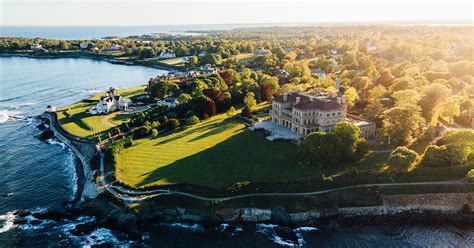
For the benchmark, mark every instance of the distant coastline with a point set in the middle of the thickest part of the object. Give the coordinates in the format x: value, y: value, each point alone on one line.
x: 89, y: 56
x: 89, y: 32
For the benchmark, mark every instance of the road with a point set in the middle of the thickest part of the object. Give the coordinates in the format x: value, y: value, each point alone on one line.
x: 134, y: 195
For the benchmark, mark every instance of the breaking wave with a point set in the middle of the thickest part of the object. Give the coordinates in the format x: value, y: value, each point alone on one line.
x: 3, y: 116
x: 7, y: 220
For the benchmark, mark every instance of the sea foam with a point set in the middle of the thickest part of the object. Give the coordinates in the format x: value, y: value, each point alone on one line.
x: 7, y: 220
x: 3, y: 116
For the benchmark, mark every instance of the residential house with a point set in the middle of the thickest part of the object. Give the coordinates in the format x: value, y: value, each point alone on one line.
x: 208, y: 69
x: 115, y: 47
x: 305, y: 113
x: 84, y: 45
x: 261, y: 52
x: 167, y: 55
x: 170, y: 102
x: 112, y: 101
x: 36, y: 47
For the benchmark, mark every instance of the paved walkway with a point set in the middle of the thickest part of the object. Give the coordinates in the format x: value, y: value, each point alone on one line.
x: 135, y: 195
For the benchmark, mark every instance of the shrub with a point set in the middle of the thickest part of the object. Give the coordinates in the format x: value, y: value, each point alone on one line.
x: 446, y: 155
x: 172, y: 123
x: 435, y: 156
x: 154, y: 133
x: 155, y: 124
x: 189, y: 113
x: 231, y: 111
x: 362, y: 148
x: 401, y: 158
x: 192, y: 120
x: 457, y: 153
x: 470, y: 176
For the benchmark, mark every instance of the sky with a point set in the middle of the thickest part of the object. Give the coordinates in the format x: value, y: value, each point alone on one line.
x: 178, y: 12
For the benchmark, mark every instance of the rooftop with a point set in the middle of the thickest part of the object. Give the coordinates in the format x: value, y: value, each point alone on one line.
x: 310, y: 100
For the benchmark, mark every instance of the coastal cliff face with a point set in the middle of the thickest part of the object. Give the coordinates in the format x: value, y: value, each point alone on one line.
x: 442, y: 205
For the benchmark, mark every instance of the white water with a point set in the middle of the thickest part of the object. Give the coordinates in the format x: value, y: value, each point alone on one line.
x: 3, y: 116
x: 7, y: 220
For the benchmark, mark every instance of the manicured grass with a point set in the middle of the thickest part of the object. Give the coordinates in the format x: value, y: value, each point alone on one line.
x: 77, y: 121
x: 174, y: 61
x: 219, y: 152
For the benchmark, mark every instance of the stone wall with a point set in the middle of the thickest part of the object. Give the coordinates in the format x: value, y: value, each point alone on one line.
x: 83, y: 149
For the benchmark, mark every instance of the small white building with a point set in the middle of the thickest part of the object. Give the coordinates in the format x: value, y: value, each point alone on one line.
x: 115, y: 47
x: 208, y: 69
x: 51, y: 108
x: 84, y: 45
x: 167, y: 55
x: 36, y: 47
x: 170, y: 102
x: 261, y: 52
x: 110, y: 102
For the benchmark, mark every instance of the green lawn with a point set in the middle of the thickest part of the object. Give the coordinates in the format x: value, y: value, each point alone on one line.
x: 219, y: 152
x: 174, y: 61
x: 77, y: 121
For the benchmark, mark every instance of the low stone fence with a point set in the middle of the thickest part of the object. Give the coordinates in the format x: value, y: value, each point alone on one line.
x: 84, y: 150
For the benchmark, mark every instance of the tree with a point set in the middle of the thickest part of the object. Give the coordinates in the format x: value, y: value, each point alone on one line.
x: 154, y: 133
x: 435, y: 156
x: 401, y: 158
x: 376, y: 92
x: 63, y: 45
x: 172, y: 123
x: 183, y: 98
x: 322, y: 148
x: 162, y: 88
x: 403, y: 83
x: 351, y: 97
x: 268, y: 87
x: 450, y: 109
x: 193, y: 60
x: 250, y: 102
x: 360, y: 83
x: 402, y: 123
x: 349, y: 135
x: 403, y: 97
x: 433, y: 94
x: 192, y: 120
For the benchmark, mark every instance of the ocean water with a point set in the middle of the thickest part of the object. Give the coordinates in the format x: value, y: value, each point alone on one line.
x: 90, y: 32
x: 41, y: 175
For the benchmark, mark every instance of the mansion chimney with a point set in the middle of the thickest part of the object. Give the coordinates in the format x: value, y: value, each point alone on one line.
x: 298, y: 100
x: 285, y: 97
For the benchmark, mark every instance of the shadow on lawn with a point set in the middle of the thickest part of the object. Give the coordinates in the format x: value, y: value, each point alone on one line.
x: 211, y: 128
x: 77, y: 119
x: 243, y: 157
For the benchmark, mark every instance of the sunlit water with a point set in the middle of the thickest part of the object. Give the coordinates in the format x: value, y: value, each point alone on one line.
x: 41, y: 175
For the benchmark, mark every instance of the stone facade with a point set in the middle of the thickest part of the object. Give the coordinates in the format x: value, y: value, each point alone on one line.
x: 305, y: 113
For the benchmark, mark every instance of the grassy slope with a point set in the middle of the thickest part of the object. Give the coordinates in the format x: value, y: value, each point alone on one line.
x: 219, y: 152
x: 76, y: 120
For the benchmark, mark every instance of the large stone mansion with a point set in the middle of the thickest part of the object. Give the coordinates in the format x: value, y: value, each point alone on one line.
x: 305, y: 113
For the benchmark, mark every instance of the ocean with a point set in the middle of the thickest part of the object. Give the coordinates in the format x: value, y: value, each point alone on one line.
x: 41, y: 175
x: 90, y: 32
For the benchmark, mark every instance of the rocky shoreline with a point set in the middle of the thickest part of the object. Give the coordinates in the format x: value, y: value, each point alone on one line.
x: 110, y: 214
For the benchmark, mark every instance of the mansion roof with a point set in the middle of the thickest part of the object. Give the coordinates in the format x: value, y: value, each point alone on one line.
x: 319, y: 101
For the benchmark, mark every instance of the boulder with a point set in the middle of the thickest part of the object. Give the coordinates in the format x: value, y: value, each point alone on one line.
x: 45, y: 135
x: 19, y: 221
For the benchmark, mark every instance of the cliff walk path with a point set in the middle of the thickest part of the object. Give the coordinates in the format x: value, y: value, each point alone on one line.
x: 135, y: 195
